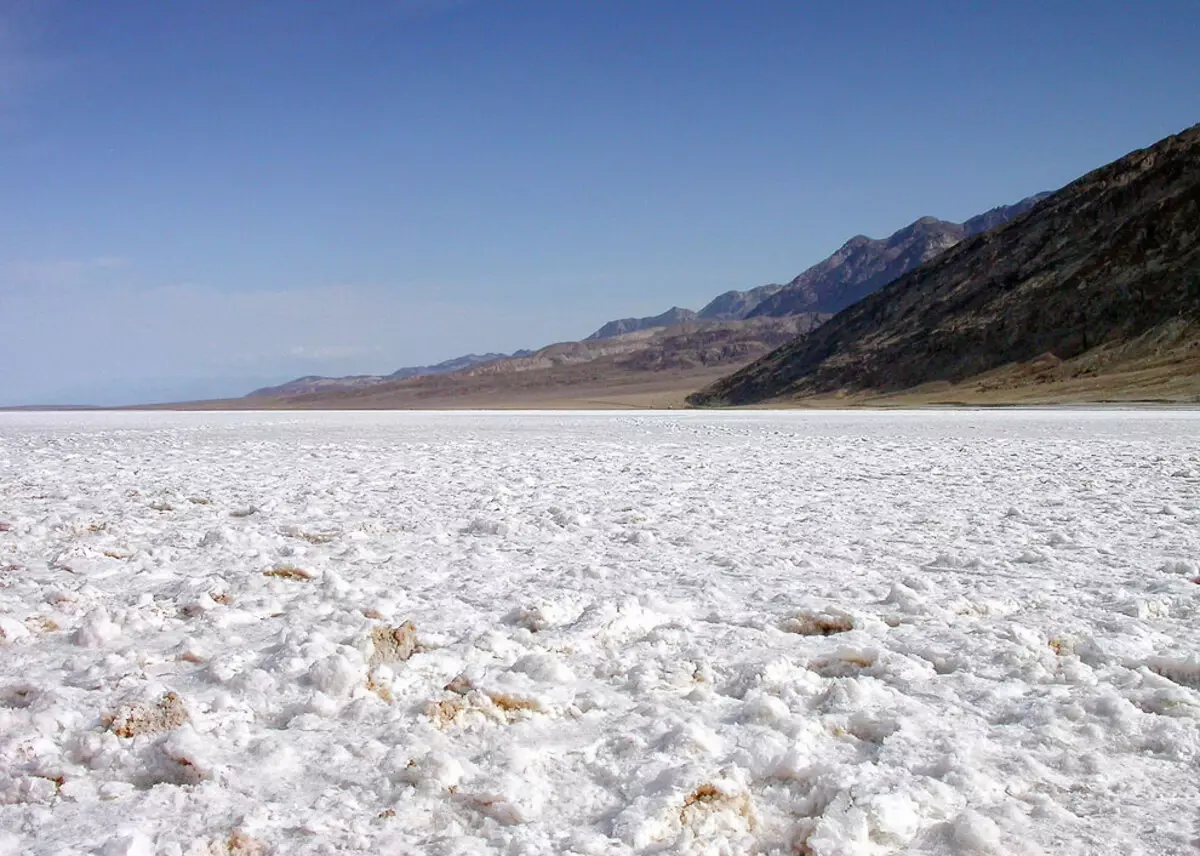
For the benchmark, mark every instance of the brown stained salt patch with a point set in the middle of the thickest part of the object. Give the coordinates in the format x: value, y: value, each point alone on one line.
x: 238, y: 843
x: 381, y: 690
x: 5, y: 527
x: 138, y: 719
x: 843, y: 664
x: 800, y: 844
x: 818, y: 623
x: 241, y: 844
x: 222, y: 597
x: 289, y: 572
x: 446, y: 712
x: 199, y: 500
x: 393, y: 644
x: 707, y: 801
x: 11, y: 569
x: 41, y: 624
x: 476, y: 705
x: 1061, y: 646
x: 513, y: 704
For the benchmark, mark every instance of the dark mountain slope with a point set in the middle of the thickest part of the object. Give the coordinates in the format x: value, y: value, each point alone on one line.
x: 1110, y: 257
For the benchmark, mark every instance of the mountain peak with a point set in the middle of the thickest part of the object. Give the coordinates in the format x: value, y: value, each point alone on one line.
x: 863, y: 264
x: 674, y: 315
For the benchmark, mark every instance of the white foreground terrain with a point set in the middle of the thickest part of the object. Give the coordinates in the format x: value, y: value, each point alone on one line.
x: 773, y: 632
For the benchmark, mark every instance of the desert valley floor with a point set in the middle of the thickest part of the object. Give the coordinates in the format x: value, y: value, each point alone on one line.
x: 819, y: 633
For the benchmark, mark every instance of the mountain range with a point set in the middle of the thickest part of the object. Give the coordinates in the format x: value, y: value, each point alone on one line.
x: 1088, y: 293
x: 1094, y: 291
x: 859, y: 267
x: 316, y: 383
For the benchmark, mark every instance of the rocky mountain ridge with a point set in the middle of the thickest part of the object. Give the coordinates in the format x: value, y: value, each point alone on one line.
x: 863, y: 265
x: 674, y: 315
x: 1103, y: 274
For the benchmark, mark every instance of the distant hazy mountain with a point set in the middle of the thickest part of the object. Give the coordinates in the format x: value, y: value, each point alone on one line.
x: 316, y: 383
x: 653, y: 361
x: 1096, y: 288
x: 864, y: 265
x: 734, y: 305
x: 447, y: 366
x: 621, y: 326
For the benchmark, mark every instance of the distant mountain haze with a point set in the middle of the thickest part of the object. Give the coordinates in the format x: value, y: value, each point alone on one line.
x: 316, y: 383
x: 1101, y: 278
x: 733, y: 305
x: 621, y: 326
x: 663, y: 362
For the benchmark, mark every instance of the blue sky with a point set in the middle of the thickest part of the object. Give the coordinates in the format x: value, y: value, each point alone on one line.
x: 198, y: 197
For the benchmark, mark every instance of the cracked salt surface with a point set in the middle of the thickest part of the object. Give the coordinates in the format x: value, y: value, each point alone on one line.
x: 824, y: 633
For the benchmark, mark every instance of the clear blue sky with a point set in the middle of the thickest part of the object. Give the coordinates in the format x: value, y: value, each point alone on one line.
x: 196, y: 197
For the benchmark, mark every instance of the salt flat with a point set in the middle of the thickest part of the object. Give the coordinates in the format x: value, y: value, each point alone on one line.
x: 775, y: 632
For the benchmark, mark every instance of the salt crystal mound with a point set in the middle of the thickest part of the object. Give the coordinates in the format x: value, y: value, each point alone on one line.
x: 824, y: 633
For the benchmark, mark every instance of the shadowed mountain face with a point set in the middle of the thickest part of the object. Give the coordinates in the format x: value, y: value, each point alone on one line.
x: 1110, y: 263
x: 864, y: 265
